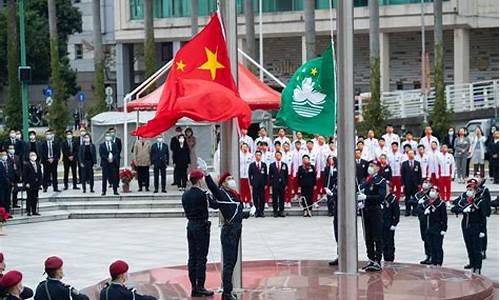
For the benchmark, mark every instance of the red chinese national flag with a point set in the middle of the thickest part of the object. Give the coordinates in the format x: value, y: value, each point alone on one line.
x: 200, y: 85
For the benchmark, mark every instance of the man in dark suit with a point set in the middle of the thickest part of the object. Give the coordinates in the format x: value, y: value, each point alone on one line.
x: 32, y: 145
x: 13, y: 140
x: 160, y: 161
x: 6, y: 180
x: 174, y: 147
x: 411, y: 174
x: 70, y: 159
x: 16, y: 165
x: 257, y: 175
x: 361, y: 167
x: 493, y: 152
x: 278, y: 179
x: 87, y: 158
x: 118, y: 142
x: 32, y: 180
x: 51, y: 152
x: 108, y: 152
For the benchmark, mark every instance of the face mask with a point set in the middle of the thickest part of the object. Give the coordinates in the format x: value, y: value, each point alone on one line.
x: 113, y: 134
x: 433, y: 194
x: 450, y: 132
x: 107, y: 138
x: 426, y: 186
x: 33, y: 157
x: 3, y: 158
x: 371, y: 170
x: 32, y: 137
x: 12, y: 135
x: 69, y: 137
x: 86, y: 141
x: 11, y: 151
x: 18, y: 136
x: 181, y: 140
x: 469, y: 193
x: 159, y: 140
x: 82, y: 133
x: 231, y: 184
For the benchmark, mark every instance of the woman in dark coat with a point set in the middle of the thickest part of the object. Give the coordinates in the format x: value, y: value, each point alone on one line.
x: 182, y: 159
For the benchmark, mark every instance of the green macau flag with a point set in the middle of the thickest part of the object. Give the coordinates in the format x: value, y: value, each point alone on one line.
x: 308, y: 101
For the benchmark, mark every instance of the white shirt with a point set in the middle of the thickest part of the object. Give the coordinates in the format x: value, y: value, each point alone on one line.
x: 249, y: 141
x: 312, y: 156
x: 321, y: 157
x: 302, y: 144
x: 412, y: 143
x: 268, y: 158
x: 446, y: 164
x: 370, y: 145
x: 282, y: 140
x: 395, y: 160
x: 433, y: 162
x: 267, y: 140
x: 379, y: 151
x: 427, y: 141
x: 287, y: 159
x: 296, y: 161
x: 389, y: 139
x: 245, y: 160
x: 424, y: 164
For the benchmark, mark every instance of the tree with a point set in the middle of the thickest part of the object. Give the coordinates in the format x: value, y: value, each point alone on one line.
x: 100, y: 104
x: 194, y: 17
x: 310, y: 30
x: 58, y: 111
x: 440, y: 114
x: 13, y: 107
x: 149, y: 41
x: 374, y: 114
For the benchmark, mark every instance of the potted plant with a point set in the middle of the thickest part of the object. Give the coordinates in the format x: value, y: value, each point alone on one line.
x: 126, y: 177
x: 4, y: 216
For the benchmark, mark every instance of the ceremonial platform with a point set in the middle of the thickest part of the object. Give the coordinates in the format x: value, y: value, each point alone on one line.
x: 315, y: 279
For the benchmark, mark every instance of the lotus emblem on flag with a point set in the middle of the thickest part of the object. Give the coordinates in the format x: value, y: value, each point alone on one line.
x: 307, y: 102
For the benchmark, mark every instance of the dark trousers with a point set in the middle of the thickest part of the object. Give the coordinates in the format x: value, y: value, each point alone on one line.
x: 160, y: 170
x: 388, y: 240
x: 258, y: 195
x: 410, y: 207
x: 307, y: 192
x: 198, y: 236
x: 435, y: 240
x: 423, y: 228
x: 473, y: 244
x: 176, y: 175
x: 372, y: 216
x: 109, y: 174
x: 68, y: 164
x: 143, y: 177
x: 484, y: 241
x: 88, y: 175
x: 494, y: 170
x: 15, y: 191
x: 278, y: 199
x: 335, y: 226
x: 330, y: 203
x: 230, y: 238
x: 50, y: 175
x: 479, y: 168
x: 5, y: 197
x: 182, y: 176
x: 32, y: 200
x: 467, y: 168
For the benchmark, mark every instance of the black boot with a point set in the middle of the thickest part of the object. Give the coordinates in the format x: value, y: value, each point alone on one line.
x: 228, y: 297
x: 468, y: 266
x: 484, y: 254
x: 202, y: 292
x: 426, y: 261
x: 334, y: 262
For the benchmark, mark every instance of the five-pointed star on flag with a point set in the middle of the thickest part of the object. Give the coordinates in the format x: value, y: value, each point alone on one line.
x: 211, y: 64
x: 180, y: 65
x: 314, y: 71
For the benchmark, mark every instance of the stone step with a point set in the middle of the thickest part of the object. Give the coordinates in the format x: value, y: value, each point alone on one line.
x: 55, y: 215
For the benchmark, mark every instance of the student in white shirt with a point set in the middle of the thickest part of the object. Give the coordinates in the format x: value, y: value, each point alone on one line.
x: 332, y: 149
x: 281, y: 137
x: 264, y: 138
x: 298, y: 137
x: 370, y: 144
x: 406, y: 148
x: 433, y: 155
x: 364, y: 153
x: 245, y: 138
x: 287, y: 158
x: 446, y: 167
x: 390, y: 137
x: 381, y: 148
x: 246, y: 158
x: 315, y: 140
x: 296, y: 154
x: 423, y: 159
x: 409, y: 141
x: 322, y: 152
x: 428, y: 139
x: 395, y: 159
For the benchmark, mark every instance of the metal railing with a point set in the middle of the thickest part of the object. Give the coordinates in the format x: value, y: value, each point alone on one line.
x: 459, y: 98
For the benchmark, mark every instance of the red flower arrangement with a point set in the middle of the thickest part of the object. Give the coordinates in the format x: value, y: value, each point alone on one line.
x: 4, y: 215
x: 126, y: 176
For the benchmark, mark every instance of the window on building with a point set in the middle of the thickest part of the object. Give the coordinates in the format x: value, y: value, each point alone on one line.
x: 78, y: 51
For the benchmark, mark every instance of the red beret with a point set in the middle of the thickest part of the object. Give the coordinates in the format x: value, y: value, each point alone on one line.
x: 53, y: 263
x: 472, y: 182
x: 10, y: 279
x: 223, y: 177
x: 196, y: 174
x: 1, y: 257
x: 117, y: 268
x: 374, y: 162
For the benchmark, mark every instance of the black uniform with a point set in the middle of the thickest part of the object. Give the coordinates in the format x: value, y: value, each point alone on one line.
x: 195, y: 203
x: 493, y: 152
x: 375, y: 189
x: 386, y: 172
x: 232, y: 210
x: 422, y: 219
x: 32, y: 180
x: 390, y: 215
x: 6, y: 182
x: 17, y: 169
x: 330, y: 182
x: 258, y: 180
x: 109, y: 169
x: 361, y: 170
x: 26, y: 293
x: 307, y: 181
x: 486, y: 196
x: 411, y: 174
x: 52, y: 289
x: 50, y: 150
x: 160, y: 160
x: 278, y: 179
x: 116, y: 291
x: 435, y: 221
x: 473, y: 223
x: 70, y: 148
x: 87, y: 158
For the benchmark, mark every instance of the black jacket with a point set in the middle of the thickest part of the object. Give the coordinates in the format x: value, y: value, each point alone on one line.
x: 104, y: 154
x: 493, y: 151
x: 34, y: 180
x: 410, y: 177
x: 81, y: 154
x: 18, y: 146
x: 229, y: 203
x: 386, y: 172
x: 258, y: 179
x: 361, y: 170
x: 375, y: 189
x: 17, y: 167
x: 57, y: 290
x: 159, y: 157
x: 306, y: 177
x: 6, y: 174
x: 115, y: 291
x: 44, y: 149
x: 28, y: 148
x: 118, y: 142
x: 479, y: 209
x: 67, y: 152
x: 437, y: 220
x: 278, y: 181
x: 196, y: 202
x: 390, y: 211
x: 182, y: 157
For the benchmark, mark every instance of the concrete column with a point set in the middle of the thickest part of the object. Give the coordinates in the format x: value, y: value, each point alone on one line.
x: 304, y: 50
x: 385, y: 60
x: 461, y: 61
x: 176, y: 46
x: 124, y: 69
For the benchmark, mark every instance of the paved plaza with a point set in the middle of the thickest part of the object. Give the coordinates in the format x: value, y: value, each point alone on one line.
x: 88, y: 246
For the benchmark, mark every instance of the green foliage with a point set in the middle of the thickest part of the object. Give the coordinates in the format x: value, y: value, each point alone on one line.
x: 374, y: 113
x: 100, y: 105
x: 58, y: 112
x: 440, y: 115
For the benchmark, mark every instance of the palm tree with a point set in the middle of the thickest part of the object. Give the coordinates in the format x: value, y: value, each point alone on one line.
x: 194, y: 17
x: 310, y: 31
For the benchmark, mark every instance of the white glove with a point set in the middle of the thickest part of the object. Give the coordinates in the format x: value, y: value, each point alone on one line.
x: 201, y: 164
x: 328, y: 192
x: 361, y: 205
x: 421, y: 201
x: 361, y: 197
x: 467, y: 209
x: 392, y: 228
x: 443, y: 233
x: 252, y: 211
x: 427, y: 210
x: 481, y: 235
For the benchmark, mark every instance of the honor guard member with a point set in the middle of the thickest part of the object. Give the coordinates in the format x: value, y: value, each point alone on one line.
x: 116, y: 289
x: 278, y: 179
x: 419, y: 202
x: 257, y: 176
x: 390, y: 215
x: 230, y: 206
x: 195, y: 202
x: 473, y: 208
x: 306, y: 177
x: 486, y: 196
x: 11, y: 286
x: 330, y: 187
x: 436, y: 223
x: 26, y: 292
x: 372, y: 193
x: 52, y: 288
